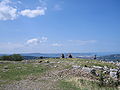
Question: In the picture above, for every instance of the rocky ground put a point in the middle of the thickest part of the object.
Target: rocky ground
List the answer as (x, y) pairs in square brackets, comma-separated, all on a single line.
[(62, 70)]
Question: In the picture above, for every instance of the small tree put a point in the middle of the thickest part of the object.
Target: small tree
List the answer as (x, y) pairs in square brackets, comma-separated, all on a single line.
[(16, 57)]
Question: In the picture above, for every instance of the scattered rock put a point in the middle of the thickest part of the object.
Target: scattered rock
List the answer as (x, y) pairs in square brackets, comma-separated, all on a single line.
[(113, 70), (93, 72), (19, 67), (55, 66), (106, 72), (40, 61), (105, 68), (5, 67), (75, 67), (113, 74), (118, 64), (58, 62), (87, 69), (98, 67), (47, 61)]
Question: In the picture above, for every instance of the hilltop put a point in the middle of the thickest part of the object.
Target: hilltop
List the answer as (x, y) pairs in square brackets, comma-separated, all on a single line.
[(58, 74)]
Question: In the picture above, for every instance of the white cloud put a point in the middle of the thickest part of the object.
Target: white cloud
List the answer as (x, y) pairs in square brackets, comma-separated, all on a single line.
[(33, 41), (36, 41), (57, 45), (7, 12), (83, 42), (33, 13)]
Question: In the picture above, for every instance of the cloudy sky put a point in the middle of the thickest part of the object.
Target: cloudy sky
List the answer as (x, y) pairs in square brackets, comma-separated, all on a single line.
[(54, 26)]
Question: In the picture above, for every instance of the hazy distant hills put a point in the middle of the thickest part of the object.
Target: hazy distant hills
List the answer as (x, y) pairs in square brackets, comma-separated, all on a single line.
[(3, 54), (113, 57), (40, 54), (100, 56)]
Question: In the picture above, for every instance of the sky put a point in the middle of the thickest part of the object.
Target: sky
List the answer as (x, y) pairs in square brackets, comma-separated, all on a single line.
[(56, 26)]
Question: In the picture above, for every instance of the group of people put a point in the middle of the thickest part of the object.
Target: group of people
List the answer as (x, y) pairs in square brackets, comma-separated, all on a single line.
[(68, 56)]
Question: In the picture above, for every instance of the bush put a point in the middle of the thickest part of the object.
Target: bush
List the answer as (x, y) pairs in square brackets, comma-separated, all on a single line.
[(14, 57)]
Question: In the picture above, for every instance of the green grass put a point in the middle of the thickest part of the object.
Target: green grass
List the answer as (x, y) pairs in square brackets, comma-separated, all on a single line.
[(82, 84), (17, 72), (64, 85), (20, 70), (83, 62)]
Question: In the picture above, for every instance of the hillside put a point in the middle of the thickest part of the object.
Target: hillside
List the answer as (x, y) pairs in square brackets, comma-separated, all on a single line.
[(58, 74)]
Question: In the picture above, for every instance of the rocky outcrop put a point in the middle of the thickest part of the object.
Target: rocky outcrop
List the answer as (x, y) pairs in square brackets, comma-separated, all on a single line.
[(95, 70)]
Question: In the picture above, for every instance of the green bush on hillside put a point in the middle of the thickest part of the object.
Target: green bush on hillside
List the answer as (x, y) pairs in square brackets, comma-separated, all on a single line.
[(14, 57)]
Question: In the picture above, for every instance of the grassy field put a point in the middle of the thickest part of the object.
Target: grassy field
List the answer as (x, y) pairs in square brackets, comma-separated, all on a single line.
[(49, 74)]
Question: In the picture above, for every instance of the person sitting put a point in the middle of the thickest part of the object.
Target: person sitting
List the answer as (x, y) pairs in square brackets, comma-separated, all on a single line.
[(70, 56)]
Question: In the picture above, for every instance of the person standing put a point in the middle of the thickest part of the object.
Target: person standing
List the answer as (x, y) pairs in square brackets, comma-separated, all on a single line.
[(62, 55)]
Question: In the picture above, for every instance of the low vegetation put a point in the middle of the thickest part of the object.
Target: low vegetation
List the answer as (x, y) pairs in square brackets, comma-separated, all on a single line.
[(55, 74), (14, 57)]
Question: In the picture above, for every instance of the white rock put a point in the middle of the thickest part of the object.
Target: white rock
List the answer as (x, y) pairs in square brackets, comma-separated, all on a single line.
[(113, 70), (86, 69), (97, 67), (113, 74), (118, 64), (75, 67)]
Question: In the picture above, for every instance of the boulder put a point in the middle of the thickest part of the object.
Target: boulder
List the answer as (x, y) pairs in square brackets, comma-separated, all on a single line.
[(47, 61), (98, 67), (87, 69), (106, 72), (118, 64), (93, 72), (113, 74), (40, 61), (105, 68), (5, 67), (75, 67), (113, 70)]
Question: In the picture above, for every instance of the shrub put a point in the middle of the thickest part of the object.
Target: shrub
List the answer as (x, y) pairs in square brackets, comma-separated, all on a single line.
[(14, 57)]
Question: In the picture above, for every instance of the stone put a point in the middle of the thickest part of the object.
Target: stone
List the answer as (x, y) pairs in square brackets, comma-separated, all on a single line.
[(118, 64), (5, 67), (40, 61), (98, 67), (113, 74), (75, 67), (93, 71), (55, 66), (113, 70), (106, 68), (106, 72), (87, 69), (47, 61)]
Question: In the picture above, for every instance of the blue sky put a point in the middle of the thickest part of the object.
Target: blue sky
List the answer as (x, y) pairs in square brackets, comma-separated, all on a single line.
[(55, 26)]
